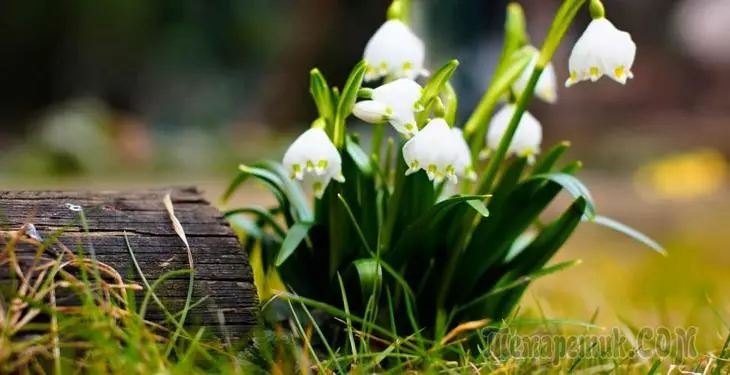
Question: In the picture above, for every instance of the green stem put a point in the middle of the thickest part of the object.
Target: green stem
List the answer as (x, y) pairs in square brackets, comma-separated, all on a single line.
[(377, 141), (400, 10), (442, 315), (392, 215), (562, 22), (596, 9), (485, 184), (564, 18), (389, 149), (452, 103)]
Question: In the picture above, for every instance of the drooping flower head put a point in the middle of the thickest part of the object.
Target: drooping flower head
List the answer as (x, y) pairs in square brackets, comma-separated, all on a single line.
[(313, 159), (433, 149), (394, 102), (546, 88), (602, 50), (527, 137), (395, 51), (463, 163)]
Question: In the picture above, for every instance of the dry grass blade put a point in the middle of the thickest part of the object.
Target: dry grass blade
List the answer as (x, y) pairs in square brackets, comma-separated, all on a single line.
[(464, 327), (181, 233)]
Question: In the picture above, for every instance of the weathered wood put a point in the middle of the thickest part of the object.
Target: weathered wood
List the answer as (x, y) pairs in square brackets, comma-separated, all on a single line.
[(222, 272)]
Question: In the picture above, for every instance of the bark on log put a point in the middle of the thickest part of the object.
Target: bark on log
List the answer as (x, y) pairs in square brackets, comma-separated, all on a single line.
[(222, 271)]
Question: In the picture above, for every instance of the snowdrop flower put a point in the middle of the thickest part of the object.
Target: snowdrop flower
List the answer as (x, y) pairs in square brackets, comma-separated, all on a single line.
[(394, 50), (527, 138), (463, 164), (314, 160), (602, 50), (394, 102), (546, 88), (434, 150)]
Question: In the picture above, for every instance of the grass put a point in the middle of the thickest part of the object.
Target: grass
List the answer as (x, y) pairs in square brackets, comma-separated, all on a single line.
[(591, 326)]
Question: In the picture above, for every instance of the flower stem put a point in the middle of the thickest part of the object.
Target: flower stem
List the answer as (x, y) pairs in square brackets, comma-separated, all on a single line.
[(596, 9), (377, 141), (485, 184), (560, 25), (399, 10)]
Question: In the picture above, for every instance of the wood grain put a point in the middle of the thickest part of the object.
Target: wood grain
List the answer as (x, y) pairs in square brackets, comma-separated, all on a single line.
[(222, 272)]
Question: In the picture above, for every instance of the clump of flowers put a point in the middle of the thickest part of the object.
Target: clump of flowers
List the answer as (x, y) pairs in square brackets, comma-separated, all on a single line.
[(418, 234)]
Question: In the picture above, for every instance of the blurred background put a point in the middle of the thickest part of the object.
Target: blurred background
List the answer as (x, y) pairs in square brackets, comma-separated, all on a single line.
[(139, 93)]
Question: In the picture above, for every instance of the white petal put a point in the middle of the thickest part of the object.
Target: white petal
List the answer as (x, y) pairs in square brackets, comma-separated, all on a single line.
[(463, 163), (372, 111), (394, 50), (546, 88), (312, 158), (404, 123), (403, 93), (602, 50), (547, 85), (410, 157), (527, 137)]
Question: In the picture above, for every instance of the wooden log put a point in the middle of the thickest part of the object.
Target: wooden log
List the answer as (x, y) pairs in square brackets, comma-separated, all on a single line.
[(222, 272)]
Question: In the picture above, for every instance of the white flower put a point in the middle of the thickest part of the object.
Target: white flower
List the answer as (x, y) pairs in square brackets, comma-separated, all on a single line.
[(314, 160), (433, 149), (463, 163), (372, 111), (395, 102), (527, 137), (602, 50), (394, 50), (546, 88)]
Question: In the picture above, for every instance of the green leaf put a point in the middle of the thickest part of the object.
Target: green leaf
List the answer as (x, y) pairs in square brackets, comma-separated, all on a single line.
[(507, 182), (321, 94), (347, 100), (515, 65), (294, 237), (437, 83), (530, 260), (246, 226), (349, 92), (370, 276), (573, 186), (511, 214), (452, 103), (359, 156), (631, 232), (263, 215), (479, 207), (549, 241), (546, 163), (520, 282), (269, 179), (520, 244), (290, 187), (439, 215)]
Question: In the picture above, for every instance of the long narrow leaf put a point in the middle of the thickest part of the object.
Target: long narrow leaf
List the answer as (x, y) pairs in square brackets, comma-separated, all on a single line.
[(321, 94), (293, 239), (370, 277), (573, 186), (631, 232), (437, 83), (291, 188), (546, 163)]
